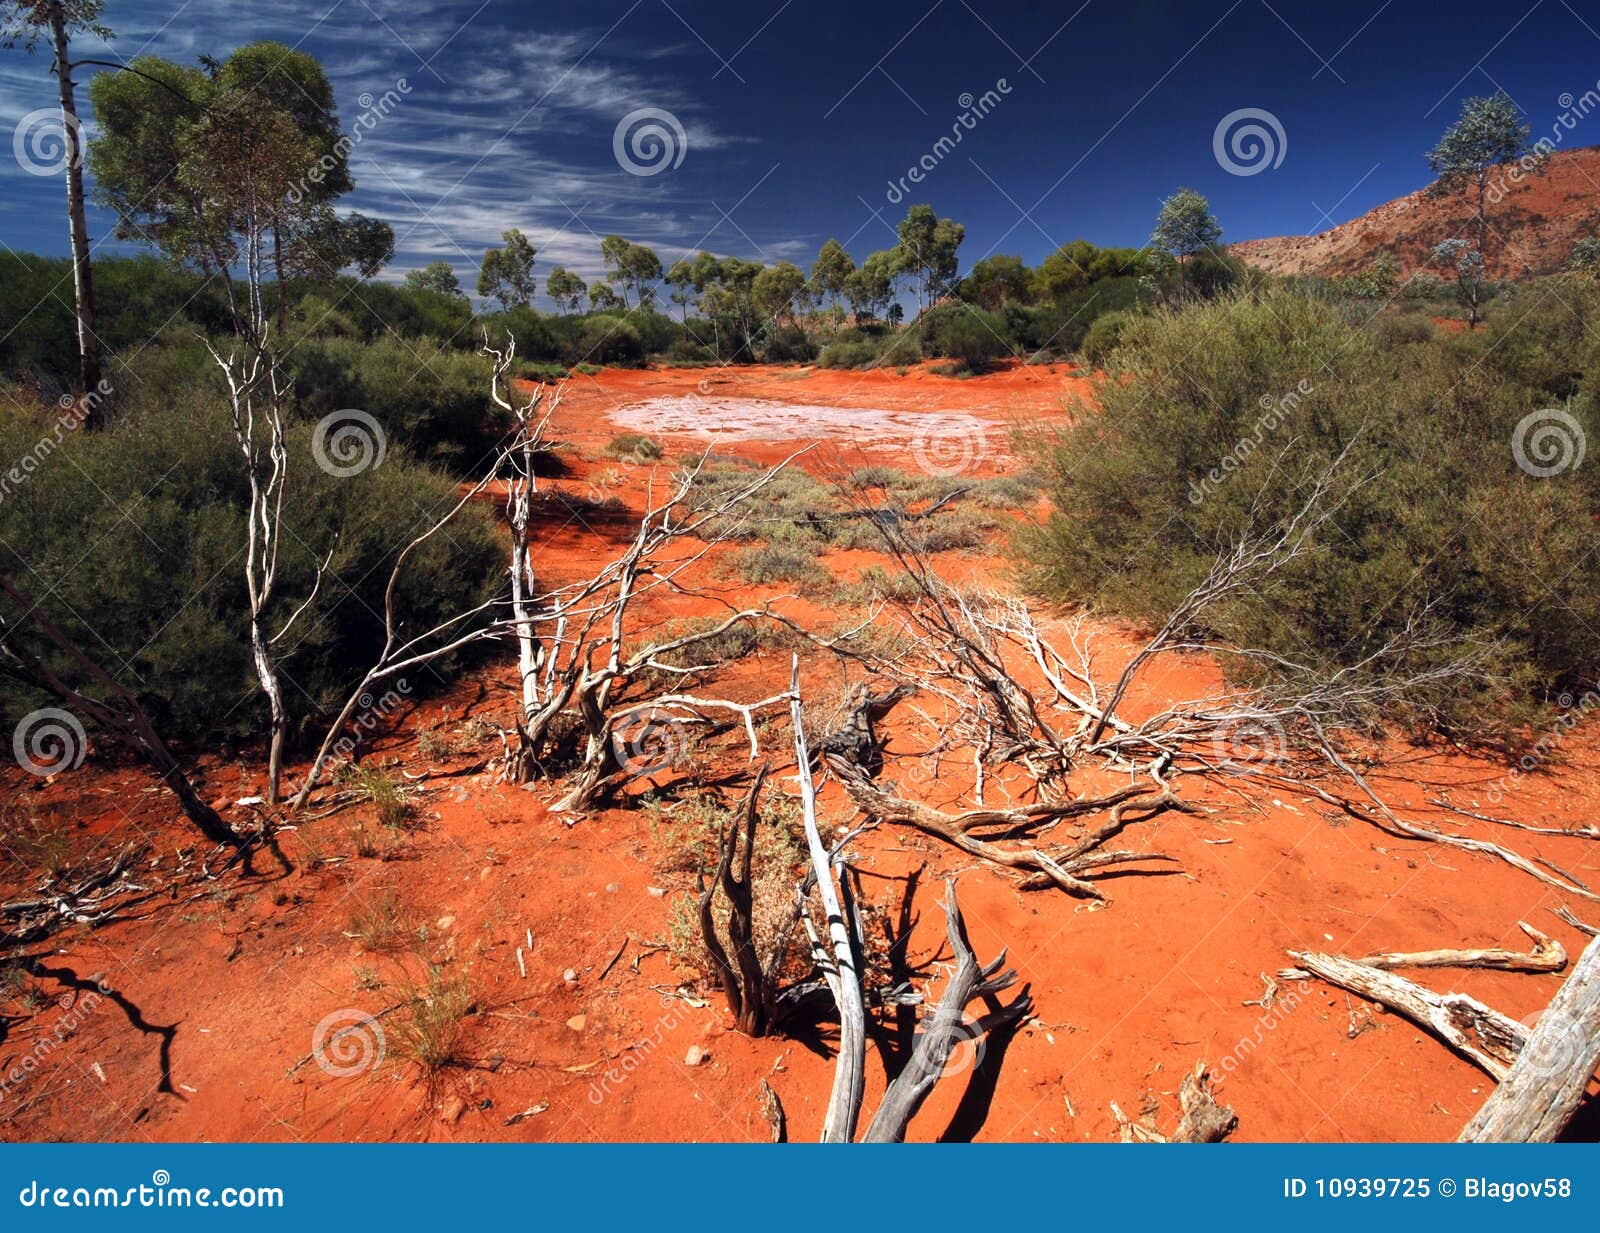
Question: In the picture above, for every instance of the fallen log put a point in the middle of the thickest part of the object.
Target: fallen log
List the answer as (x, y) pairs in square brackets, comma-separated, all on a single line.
[(1548, 955), (1479, 1033), (1551, 1075)]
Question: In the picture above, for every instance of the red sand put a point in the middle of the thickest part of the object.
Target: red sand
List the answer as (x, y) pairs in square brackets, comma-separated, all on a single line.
[(1128, 996)]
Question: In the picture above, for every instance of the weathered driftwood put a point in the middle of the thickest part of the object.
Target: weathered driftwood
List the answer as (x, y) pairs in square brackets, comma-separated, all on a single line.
[(1202, 1119), (1544, 1088), (1548, 955), (1478, 1032), (946, 1027)]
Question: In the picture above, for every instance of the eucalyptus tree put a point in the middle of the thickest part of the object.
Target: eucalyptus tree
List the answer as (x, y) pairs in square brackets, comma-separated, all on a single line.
[(830, 272), (507, 273), (23, 23), (565, 288), (1489, 133)]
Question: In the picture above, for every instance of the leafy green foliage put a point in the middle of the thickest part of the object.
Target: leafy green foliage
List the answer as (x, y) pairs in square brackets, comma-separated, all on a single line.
[(1437, 522)]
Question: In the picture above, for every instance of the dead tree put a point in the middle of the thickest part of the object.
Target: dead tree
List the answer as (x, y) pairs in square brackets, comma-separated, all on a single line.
[(1012, 696), (1542, 1076), (750, 984), (532, 416), (116, 709), (948, 1026), (840, 960), (255, 405), (586, 666), (1538, 1096), (1547, 955), (1479, 1033)]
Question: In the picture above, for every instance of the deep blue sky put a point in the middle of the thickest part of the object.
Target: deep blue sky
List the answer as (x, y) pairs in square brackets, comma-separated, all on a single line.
[(798, 115)]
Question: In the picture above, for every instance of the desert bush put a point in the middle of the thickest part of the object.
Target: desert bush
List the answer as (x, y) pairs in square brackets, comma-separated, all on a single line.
[(437, 1008), (378, 923), (1193, 446), (431, 399), (609, 339), (972, 337), (850, 354), (779, 562), (131, 538), (690, 834), (634, 446), (1104, 335)]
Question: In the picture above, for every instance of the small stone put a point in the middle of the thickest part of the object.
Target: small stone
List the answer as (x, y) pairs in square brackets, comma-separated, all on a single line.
[(613, 887), (452, 1110), (446, 921), (570, 976), (578, 1022), (656, 892), (696, 1056)]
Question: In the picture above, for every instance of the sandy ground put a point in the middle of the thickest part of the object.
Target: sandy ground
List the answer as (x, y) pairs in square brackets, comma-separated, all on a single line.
[(223, 989)]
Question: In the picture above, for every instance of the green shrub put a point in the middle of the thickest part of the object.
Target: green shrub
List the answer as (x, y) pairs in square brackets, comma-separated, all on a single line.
[(1195, 445), (779, 562), (131, 538), (634, 446), (848, 355), (609, 339), (1104, 336), (433, 401)]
